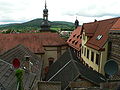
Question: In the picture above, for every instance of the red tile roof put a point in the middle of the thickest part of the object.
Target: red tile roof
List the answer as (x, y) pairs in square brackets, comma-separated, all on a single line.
[(116, 26), (90, 28), (101, 28), (34, 41), (74, 39)]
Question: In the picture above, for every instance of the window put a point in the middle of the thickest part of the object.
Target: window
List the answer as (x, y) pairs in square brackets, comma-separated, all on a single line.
[(50, 63), (78, 36), (74, 35), (51, 60), (73, 41), (99, 37), (76, 42), (97, 59), (85, 52), (78, 53), (92, 56), (69, 40), (88, 53)]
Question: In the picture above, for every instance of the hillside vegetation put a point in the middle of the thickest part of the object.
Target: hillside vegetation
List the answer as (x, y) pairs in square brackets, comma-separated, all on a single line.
[(35, 25)]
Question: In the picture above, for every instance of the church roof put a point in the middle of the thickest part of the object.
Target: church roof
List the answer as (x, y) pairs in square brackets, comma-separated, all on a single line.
[(34, 41)]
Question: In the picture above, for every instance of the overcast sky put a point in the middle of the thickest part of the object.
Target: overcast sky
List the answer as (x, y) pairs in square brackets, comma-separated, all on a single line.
[(13, 11)]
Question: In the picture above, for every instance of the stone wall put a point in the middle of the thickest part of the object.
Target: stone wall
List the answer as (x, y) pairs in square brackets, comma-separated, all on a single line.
[(49, 86), (114, 37)]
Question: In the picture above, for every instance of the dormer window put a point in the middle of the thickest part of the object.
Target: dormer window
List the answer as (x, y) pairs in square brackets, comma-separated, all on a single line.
[(74, 35), (69, 40), (73, 41), (99, 37), (78, 36), (76, 42)]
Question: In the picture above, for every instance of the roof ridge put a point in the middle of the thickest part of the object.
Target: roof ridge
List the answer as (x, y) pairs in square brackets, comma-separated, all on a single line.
[(102, 20)]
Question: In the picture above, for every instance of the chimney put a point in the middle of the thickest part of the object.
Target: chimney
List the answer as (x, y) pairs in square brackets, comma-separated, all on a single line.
[(95, 20)]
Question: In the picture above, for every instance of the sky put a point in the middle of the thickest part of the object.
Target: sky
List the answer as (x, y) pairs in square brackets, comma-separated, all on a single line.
[(17, 11)]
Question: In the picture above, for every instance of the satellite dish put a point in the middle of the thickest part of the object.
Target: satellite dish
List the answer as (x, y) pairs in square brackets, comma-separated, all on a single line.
[(111, 67)]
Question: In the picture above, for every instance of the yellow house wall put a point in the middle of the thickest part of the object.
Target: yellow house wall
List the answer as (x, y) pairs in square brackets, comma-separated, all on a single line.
[(103, 56), (86, 39), (88, 61)]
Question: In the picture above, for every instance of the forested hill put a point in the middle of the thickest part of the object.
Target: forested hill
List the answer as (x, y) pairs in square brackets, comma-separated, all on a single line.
[(35, 25)]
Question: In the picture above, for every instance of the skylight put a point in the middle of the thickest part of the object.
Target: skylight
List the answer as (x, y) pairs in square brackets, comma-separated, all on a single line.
[(99, 37)]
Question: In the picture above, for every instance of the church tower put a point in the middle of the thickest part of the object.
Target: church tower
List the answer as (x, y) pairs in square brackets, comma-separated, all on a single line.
[(76, 23), (45, 25), (45, 12)]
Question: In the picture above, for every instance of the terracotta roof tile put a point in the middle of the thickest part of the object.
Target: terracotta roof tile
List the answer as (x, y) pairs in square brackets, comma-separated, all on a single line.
[(34, 41), (102, 28), (75, 38)]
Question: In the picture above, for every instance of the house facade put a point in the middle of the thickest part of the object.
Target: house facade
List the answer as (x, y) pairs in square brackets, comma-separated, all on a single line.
[(94, 50), (93, 47)]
